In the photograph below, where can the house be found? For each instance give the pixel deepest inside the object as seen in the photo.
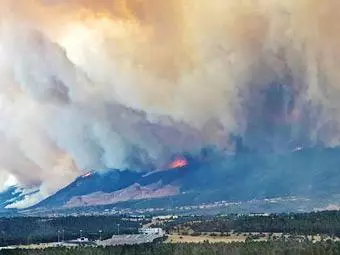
(152, 231)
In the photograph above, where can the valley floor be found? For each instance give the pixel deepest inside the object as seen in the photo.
(201, 239)
(243, 237)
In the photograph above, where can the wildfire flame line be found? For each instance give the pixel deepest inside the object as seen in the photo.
(87, 174)
(178, 163)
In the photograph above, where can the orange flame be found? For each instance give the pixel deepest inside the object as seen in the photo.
(178, 163)
(87, 174)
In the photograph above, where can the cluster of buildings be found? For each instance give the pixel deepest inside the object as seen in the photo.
(145, 235)
(152, 231)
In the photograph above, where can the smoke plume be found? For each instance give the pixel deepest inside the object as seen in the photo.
(93, 84)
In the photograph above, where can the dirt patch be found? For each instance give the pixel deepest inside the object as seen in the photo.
(199, 239)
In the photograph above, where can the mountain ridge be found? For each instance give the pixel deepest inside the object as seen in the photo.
(307, 172)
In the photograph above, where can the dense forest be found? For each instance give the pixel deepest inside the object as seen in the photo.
(27, 230)
(327, 222)
(253, 248)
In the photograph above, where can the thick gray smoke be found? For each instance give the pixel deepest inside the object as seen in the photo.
(129, 83)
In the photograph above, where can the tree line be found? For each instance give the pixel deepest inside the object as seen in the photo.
(206, 248)
(313, 223)
(27, 230)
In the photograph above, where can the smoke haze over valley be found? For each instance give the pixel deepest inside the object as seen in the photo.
(129, 84)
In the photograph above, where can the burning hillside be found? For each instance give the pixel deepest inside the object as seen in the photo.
(178, 163)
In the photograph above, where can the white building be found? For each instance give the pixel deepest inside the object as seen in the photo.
(82, 240)
(165, 217)
(154, 231)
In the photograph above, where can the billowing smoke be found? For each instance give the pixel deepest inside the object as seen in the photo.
(93, 84)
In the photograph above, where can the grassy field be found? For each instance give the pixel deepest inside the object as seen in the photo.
(241, 237)
(175, 238)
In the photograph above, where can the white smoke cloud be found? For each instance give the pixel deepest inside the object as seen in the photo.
(119, 84)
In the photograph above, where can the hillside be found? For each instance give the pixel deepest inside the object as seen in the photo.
(14, 195)
(245, 176)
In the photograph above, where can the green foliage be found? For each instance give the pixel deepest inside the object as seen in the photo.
(327, 222)
(206, 248)
(24, 230)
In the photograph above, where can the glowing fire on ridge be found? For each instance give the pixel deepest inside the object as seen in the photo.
(178, 163)
(87, 174)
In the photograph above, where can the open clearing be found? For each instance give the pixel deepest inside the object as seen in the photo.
(199, 239)
(176, 238)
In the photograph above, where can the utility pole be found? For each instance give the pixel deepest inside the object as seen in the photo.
(58, 236)
(100, 235)
(63, 235)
